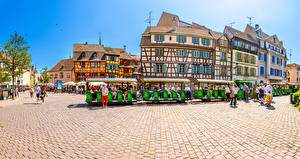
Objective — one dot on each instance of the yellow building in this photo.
(293, 73)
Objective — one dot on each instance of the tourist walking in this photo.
(38, 91)
(43, 94)
(31, 91)
(234, 93)
(261, 93)
(227, 92)
(269, 91)
(104, 96)
(247, 91)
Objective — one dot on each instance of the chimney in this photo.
(124, 48)
(86, 43)
(174, 25)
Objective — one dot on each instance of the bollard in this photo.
(291, 99)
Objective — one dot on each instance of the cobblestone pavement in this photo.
(64, 127)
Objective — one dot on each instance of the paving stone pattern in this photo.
(65, 127)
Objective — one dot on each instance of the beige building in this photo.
(293, 73)
(28, 78)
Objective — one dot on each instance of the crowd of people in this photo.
(40, 92)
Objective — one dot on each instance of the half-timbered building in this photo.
(223, 61)
(97, 61)
(176, 49)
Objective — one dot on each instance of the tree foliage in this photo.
(16, 58)
(45, 76)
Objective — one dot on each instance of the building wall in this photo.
(68, 76)
(243, 64)
(173, 40)
(293, 73)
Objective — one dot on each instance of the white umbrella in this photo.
(50, 84)
(70, 83)
(97, 83)
(81, 83)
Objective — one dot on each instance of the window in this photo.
(180, 68)
(159, 67)
(68, 75)
(205, 41)
(239, 70)
(111, 76)
(55, 76)
(223, 56)
(182, 52)
(207, 69)
(82, 65)
(196, 53)
(195, 40)
(252, 59)
(94, 74)
(159, 37)
(98, 64)
(82, 55)
(61, 75)
(281, 62)
(273, 59)
(246, 71)
(278, 60)
(259, 56)
(159, 52)
(108, 67)
(92, 64)
(271, 71)
(94, 55)
(265, 57)
(81, 74)
(181, 38)
(252, 71)
(284, 63)
(206, 54)
(262, 70)
(239, 57)
(246, 58)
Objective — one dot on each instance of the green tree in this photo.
(17, 57)
(45, 76)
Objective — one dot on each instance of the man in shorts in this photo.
(261, 91)
(269, 91)
(38, 91)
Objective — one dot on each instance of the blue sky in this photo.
(51, 27)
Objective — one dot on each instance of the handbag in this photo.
(231, 95)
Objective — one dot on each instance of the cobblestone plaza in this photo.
(65, 127)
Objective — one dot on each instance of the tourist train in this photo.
(159, 90)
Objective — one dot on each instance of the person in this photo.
(261, 93)
(38, 91)
(43, 94)
(188, 93)
(104, 96)
(269, 91)
(257, 92)
(247, 91)
(227, 92)
(31, 92)
(76, 89)
(235, 90)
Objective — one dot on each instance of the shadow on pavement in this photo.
(233, 106)
(271, 108)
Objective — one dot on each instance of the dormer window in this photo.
(94, 55)
(159, 37)
(82, 55)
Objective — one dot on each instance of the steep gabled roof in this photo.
(63, 65)
(241, 35)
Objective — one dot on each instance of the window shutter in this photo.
(242, 57)
(117, 67)
(186, 68)
(208, 42)
(177, 38)
(184, 39)
(178, 68)
(177, 52)
(164, 68)
(154, 68)
(108, 67)
(193, 69)
(202, 41)
(254, 71)
(236, 56)
(254, 59)
(162, 37)
(155, 37)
